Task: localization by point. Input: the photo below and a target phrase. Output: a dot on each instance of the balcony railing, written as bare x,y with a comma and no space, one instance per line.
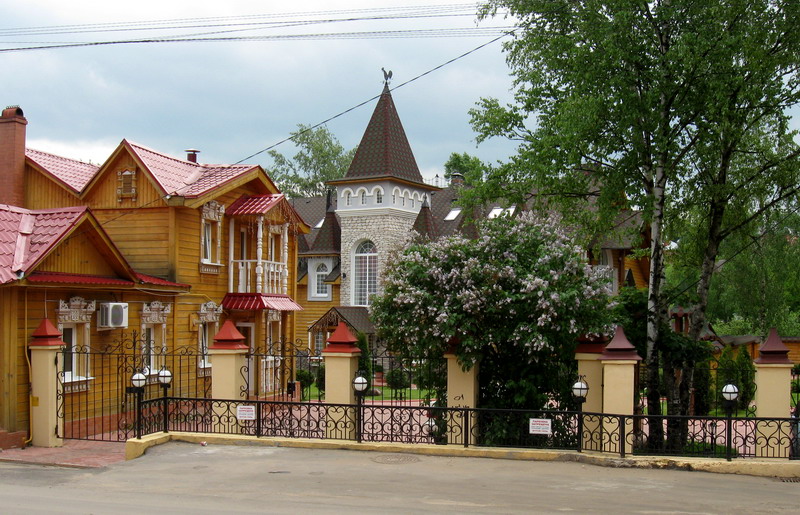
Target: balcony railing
245,276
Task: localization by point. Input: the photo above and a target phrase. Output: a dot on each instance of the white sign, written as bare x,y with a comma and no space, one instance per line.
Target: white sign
540,426
245,412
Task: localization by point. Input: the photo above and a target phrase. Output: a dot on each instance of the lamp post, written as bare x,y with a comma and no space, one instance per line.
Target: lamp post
730,392
138,381
359,386
580,389
165,379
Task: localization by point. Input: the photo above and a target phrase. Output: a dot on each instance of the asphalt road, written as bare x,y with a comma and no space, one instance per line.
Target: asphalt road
189,478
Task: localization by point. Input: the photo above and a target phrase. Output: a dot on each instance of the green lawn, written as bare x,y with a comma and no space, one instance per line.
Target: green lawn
312,393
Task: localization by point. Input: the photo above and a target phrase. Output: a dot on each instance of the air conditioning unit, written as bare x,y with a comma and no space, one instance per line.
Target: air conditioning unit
113,315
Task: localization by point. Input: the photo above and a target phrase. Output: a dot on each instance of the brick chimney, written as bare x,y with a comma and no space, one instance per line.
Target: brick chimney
12,156
191,154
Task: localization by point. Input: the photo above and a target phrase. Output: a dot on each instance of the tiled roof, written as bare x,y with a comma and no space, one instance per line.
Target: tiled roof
150,279
64,278
74,174
425,225
254,204
384,150
26,236
311,210
329,237
176,176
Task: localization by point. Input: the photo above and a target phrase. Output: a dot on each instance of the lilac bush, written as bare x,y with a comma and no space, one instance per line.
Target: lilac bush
516,298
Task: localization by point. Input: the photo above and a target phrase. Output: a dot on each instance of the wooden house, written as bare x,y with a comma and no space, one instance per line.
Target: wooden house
185,245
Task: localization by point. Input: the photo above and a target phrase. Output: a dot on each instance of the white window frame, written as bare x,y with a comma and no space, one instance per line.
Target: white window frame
453,214
379,197
365,277
316,279
77,352
76,316
211,233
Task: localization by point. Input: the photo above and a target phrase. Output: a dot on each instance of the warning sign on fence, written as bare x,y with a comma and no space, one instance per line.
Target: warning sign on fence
540,426
245,412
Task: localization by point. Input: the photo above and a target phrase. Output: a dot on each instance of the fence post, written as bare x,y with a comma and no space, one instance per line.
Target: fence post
341,365
619,365
588,355
47,427
773,395
462,392
227,359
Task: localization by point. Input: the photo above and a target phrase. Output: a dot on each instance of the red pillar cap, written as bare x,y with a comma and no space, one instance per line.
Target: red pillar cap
228,337
46,335
342,340
620,348
773,351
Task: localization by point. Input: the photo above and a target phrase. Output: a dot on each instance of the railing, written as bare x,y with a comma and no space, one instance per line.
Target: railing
244,276
621,435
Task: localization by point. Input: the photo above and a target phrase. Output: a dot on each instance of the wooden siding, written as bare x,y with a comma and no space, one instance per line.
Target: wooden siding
103,192
312,310
142,235
77,255
42,192
9,359
634,265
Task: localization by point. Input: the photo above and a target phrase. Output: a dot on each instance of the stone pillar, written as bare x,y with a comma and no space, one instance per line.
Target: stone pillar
46,389
228,356
773,398
462,392
619,361
341,364
590,369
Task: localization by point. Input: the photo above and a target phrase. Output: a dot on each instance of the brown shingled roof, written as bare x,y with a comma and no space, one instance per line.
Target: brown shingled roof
384,150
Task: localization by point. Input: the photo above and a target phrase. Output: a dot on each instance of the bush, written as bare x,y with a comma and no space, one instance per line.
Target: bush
796,386
320,380
398,379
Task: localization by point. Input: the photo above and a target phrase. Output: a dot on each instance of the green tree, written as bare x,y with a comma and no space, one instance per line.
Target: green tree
319,158
516,299
470,167
676,106
747,378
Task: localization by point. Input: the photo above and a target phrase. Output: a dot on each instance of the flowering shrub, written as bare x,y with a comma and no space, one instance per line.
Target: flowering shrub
516,298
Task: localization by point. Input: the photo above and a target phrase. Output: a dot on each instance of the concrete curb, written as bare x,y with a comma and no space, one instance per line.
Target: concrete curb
751,467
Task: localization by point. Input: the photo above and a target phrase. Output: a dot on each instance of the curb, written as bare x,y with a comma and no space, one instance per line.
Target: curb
762,467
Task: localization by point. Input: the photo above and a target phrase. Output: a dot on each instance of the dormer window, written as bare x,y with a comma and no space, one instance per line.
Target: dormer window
453,214
126,185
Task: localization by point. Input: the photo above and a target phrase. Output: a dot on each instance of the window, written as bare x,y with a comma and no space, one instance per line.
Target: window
606,263
363,198
453,214
394,198
379,197
497,211
211,235
322,289
153,350
208,317
126,185
365,284
348,199
203,345
74,319
412,203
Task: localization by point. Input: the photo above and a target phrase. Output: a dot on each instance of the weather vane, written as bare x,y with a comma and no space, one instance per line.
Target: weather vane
387,76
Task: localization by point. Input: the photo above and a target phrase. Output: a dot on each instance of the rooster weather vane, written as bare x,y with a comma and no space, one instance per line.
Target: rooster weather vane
387,76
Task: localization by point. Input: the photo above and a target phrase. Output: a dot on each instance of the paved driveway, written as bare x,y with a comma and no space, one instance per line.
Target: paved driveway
189,478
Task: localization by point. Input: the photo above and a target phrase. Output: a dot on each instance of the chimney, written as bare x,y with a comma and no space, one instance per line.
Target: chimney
456,179
12,156
191,154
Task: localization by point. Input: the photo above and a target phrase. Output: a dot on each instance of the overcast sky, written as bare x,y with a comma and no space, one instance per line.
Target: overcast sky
233,99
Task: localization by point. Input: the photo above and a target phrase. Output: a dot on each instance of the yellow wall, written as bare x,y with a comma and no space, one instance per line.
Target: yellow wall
77,255
41,192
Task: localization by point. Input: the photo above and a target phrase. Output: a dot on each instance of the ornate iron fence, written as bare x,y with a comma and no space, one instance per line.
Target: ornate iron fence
93,397
623,435
283,371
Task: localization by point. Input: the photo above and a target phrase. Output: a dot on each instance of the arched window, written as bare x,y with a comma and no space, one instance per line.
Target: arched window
322,289
348,201
379,197
365,284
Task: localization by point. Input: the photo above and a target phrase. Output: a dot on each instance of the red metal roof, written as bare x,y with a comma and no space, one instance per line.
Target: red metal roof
26,236
258,301
150,279
254,204
65,278
185,178
74,174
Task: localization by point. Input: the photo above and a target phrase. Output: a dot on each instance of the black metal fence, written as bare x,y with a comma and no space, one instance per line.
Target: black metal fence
622,435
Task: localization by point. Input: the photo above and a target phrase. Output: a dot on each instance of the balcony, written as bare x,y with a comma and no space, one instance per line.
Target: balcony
247,277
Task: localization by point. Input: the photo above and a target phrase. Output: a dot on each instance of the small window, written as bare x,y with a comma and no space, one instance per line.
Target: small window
495,212
322,289
394,198
348,199
379,197
126,185
363,198
453,214
412,203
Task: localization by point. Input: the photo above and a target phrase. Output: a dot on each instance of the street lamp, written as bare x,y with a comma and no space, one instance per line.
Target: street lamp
138,380
580,390
165,379
730,392
360,384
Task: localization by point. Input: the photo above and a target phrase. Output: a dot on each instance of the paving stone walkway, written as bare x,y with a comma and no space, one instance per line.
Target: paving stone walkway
74,453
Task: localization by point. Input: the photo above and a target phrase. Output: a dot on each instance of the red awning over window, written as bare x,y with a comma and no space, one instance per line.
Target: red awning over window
258,301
